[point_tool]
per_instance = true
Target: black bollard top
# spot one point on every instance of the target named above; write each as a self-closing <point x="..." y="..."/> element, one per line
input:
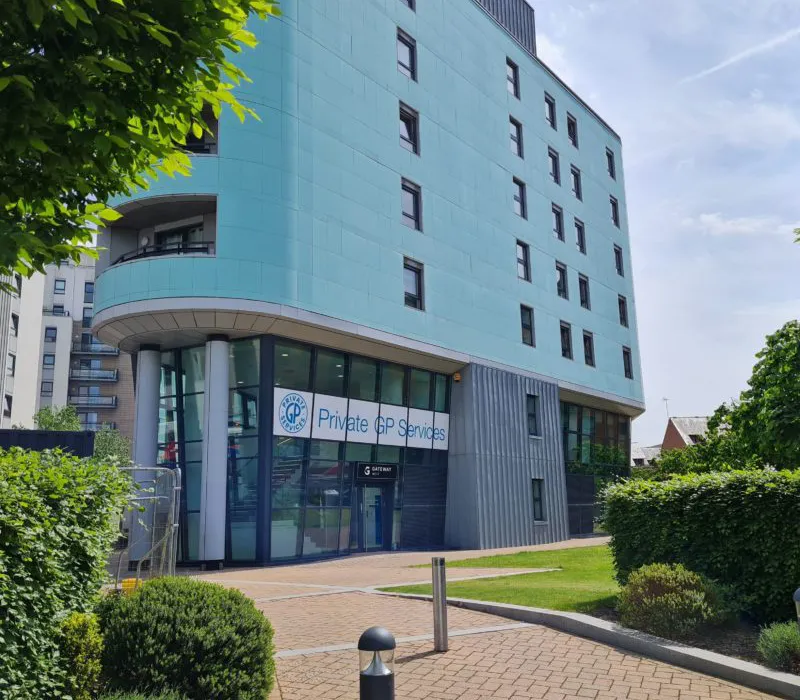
<point x="796" y="596"/>
<point x="376" y="639"/>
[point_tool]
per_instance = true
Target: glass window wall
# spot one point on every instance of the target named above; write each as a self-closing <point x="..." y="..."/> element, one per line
<point x="329" y="373"/>
<point x="393" y="379"/>
<point x="292" y="366"/>
<point x="363" y="379"/>
<point x="420" y="389"/>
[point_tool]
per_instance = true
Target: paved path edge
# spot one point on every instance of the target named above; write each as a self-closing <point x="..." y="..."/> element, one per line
<point x="711" y="663"/>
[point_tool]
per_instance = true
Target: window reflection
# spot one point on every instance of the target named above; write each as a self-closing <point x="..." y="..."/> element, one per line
<point x="392" y="381"/>
<point x="329" y="373"/>
<point x="363" y="379"/>
<point x="420" y="389"/>
<point x="292" y="366"/>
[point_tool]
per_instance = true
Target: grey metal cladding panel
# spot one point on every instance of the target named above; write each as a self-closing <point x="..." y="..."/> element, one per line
<point x="517" y="17"/>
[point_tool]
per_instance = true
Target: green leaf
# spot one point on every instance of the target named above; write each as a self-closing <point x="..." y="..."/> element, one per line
<point x="116" y="64"/>
<point x="35" y="12"/>
<point x="109" y="214"/>
<point x="4" y="83"/>
<point x="157" y="35"/>
<point x="39" y="145"/>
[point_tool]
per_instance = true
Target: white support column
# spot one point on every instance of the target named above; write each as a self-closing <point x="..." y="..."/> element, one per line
<point x="214" y="491"/>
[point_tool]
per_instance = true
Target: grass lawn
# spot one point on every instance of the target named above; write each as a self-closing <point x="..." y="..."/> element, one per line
<point x="584" y="584"/>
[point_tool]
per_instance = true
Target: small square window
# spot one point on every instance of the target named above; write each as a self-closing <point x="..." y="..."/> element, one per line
<point x="588" y="348"/>
<point x="611" y="164"/>
<point x="46" y="389"/>
<point x="50" y="334"/>
<point x="614" y="211"/>
<point x="523" y="261"/>
<point x="512" y="77"/>
<point x="562" y="284"/>
<point x="9" y="400"/>
<point x="572" y="130"/>
<point x="14" y="325"/>
<point x="406" y="55"/>
<point x="550" y="111"/>
<point x="537" y="491"/>
<point x="48" y="360"/>
<point x="409" y="128"/>
<point x="60" y="287"/>
<point x="520" y="199"/>
<point x="622" y="302"/>
<point x="583" y="289"/>
<point x="577" y="185"/>
<point x="558" y="222"/>
<point x="528" y="334"/>
<point x="618" y="261"/>
<point x="580" y="236"/>
<point x="566" y="340"/>
<point x="532" y="405"/>
<point x="412" y="204"/>
<point x="412" y="283"/>
<point x="627" y="363"/>
<point x="11" y="364"/>
<point x="555" y="166"/>
<point x="515" y="132"/>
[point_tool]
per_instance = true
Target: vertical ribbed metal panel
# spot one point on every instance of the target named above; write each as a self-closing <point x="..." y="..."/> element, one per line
<point x="517" y="17"/>
<point x="493" y="459"/>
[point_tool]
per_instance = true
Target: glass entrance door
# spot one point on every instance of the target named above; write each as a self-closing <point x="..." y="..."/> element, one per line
<point x="373" y="516"/>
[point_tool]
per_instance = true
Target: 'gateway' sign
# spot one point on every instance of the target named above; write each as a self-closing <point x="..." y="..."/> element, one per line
<point x="304" y="415"/>
<point x="367" y="472"/>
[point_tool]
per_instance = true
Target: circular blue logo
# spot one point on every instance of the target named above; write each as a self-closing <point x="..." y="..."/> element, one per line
<point x="293" y="413"/>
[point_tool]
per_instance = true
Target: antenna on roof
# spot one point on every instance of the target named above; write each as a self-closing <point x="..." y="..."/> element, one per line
<point x="666" y="406"/>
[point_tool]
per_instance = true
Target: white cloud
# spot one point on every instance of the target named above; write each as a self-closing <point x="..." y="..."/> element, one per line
<point x="718" y="225"/>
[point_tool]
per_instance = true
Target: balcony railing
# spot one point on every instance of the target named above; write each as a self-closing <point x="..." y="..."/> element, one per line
<point x="103" y="375"/>
<point x="156" y="250"/>
<point x="110" y="401"/>
<point x="55" y="312"/>
<point x="94" y="349"/>
<point x="94" y="427"/>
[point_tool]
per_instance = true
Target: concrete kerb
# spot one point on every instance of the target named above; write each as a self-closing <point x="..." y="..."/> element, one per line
<point x="708" y="662"/>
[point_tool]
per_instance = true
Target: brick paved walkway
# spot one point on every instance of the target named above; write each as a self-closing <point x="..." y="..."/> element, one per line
<point x="319" y="610"/>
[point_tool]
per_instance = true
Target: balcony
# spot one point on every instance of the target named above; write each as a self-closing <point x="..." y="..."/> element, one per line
<point x="95" y="427"/>
<point x="57" y="311"/>
<point x="94" y="349"/>
<point x="156" y="250"/>
<point x="101" y="375"/>
<point x="107" y="401"/>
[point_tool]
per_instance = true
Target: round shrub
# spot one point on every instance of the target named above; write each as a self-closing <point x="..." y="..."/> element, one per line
<point x="81" y="648"/>
<point x="779" y="646"/>
<point x="166" y="695"/>
<point x="670" y="601"/>
<point x="205" y="641"/>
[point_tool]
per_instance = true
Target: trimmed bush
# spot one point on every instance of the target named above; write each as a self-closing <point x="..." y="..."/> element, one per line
<point x="670" y="601"/>
<point x="741" y="529"/>
<point x="59" y="516"/>
<point x="81" y="649"/>
<point x="166" y="695"/>
<point x="208" y="642"/>
<point x="779" y="646"/>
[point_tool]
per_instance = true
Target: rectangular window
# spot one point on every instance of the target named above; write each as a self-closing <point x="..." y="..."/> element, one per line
<point x="409" y="128"/>
<point x="577" y="185"/>
<point x="46" y="389"/>
<point x="18" y="283"/>
<point x="88" y="293"/>
<point x="292" y="366"/>
<point x="59" y="286"/>
<point x="14" y="325"/>
<point x="572" y="130"/>
<point x="515" y="132"/>
<point x="528" y="336"/>
<point x="550" y="111"/>
<point x="410" y="4"/>
<point x="11" y="364"/>
<point x="532" y="405"/>
<point x="520" y="200"/>
<point x="412" y="205"/>
<point x="512" y="77"/>
<point x="558" y="222"/>
<point x="580" y="236"/>
<point x="523" y="261"/>
<point x="412" y="283"/>
<point x="87" y="317"/>
<point x="9" y="400"/>
<point x="622" y="302"/>
<point x="566" y="340"/>
<point x="614" y="211"/>
<point x="627" y="363"/>
<point x="363" y="379"/>
<point x="562" y="284"/>
<point x="537" y="489"/>
<point x="618" y="262"/>
<point x="48" y="360"/>
<point x="588" y="348"/>
<point x="583" y="288"/>
<point x="406" y="55"/>
<point x="611" y="164"/>
<point x="50" y="334"/>
<point x="555" y="166"/>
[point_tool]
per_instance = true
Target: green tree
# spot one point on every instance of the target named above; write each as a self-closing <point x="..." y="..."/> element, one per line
<point x="109" y="443"/>
<point x="57" y="418"/>
<point x="96" y="96"/>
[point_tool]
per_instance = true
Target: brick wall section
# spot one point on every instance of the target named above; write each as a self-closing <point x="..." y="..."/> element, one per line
<point x="672" y="438"/>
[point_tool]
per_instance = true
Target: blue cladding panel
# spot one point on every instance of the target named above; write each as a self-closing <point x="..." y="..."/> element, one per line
<point x="309" y="198"/>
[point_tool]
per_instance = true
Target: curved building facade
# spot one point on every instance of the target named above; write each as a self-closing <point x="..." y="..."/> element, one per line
<point x="398" y="310"/>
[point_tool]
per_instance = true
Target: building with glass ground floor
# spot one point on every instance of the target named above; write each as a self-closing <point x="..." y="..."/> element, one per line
<point x="382" y="318"/>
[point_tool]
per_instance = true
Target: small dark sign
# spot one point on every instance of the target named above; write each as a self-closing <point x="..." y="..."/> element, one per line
<point x="367" y="471"/>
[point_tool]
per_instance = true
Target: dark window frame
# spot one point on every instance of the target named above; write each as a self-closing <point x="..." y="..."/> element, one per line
<point x="615" y="215"/>
<point x="558" y="221"/>
<point x="566" y="335"/>
<point x="572" y="130"/>
<point x="550" y="111"/>
<point x="11" y="365"/>
<point x="515" y="135"/>
<point x="86" y="320"/>
<point x="14" y="325"/>
<point x="50" y="337"/>
<point x="537" y="495"/>
<point x="43" y="391"/>
<point x="627" y="362"/>
<point x="417" y="301"/>
<point x="520" y="198"/>
<point x="577" y="182"/>
<point x="532" y="413"/>
<point x="554" y="161"/>
<point x="588" y="348"/>
<point x="8" y="405"/>
<point x="45" y="357"/>
<point x="584" y="292"/>
<point x="527" y="323"/>
<point x="88" y="292"/>
<point x="59" y="286"/>
<point x="611" y="164"/>
<point x="622" y="305"/>
<point x="409" y="117"/>
<point x="512" y="78"/>
<point x="413" y="220"/>
<point x="524" y="262"/>
<point x="410" y="4"/>
<point x="580" y="236"/>
<point x="410" y="71"/>
<point x="619" y="261"/>
<point x="562" y="280"/>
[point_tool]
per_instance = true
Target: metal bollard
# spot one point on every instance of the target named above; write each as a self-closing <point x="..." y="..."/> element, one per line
<point x="440" y="641"/>
<point x="376" y="664"/>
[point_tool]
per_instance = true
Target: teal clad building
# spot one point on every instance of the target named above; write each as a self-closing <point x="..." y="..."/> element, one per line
<point x="395" y="313"/>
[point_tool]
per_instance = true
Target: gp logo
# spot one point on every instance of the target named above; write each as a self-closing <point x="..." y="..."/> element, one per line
<point x="293" y="413"/>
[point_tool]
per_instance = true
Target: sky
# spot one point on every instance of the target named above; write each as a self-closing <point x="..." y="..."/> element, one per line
<point x="706" y="97"/>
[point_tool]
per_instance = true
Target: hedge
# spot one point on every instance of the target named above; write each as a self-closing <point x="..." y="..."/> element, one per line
<point x="59" y="516"/>
<point x="741" y="529"/>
